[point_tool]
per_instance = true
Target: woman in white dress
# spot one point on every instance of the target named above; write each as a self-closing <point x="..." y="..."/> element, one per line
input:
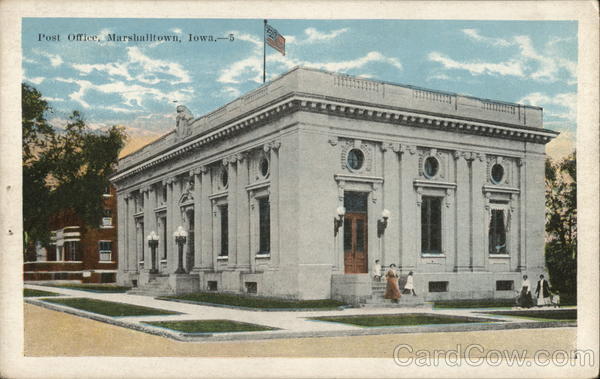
<point x="409" y="287"/>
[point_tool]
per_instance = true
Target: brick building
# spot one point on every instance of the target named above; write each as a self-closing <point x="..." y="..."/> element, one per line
<point x="76" y="251"/>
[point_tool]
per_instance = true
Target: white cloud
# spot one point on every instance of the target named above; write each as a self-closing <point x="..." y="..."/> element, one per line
<point x="316" y="36"/>
<point x="55" y="99"/>
<point x="133" y="95"/>
<point x="528" y="63"/>
<point x="55" y="59"/>
<point x="511" y="67"/>
<point x="36" y="80"/>
<point x="565" y="102"/>
<point x="112" y="69"/>
<point x="230" y="92"/>
<point x="250" y="68"/>
<point x="151" y="66"/>
<point x="176" y="30"/>
<point x="474" y="34"/>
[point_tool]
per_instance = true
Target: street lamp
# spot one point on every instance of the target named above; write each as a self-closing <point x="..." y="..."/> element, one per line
<point x="180" y="237"/>
<point x="153" y="243"/>
<point x="339" y="221"/>
<point x="382" y="223"/>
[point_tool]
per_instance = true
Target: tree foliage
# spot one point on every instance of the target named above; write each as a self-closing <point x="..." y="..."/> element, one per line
<point x="64" y="168"/>
<point x="561" y="223"/>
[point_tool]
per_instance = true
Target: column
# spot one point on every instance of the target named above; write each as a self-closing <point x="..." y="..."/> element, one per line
<point x="177" y="222"/>
<point x="274" y="202"/>
<point x="410" y="210"/>
<point x="148" y="210"/>
<point x="391" y="201"/>
<point x="462" y="236"/>
<point x="206" y="224"/>
<point x="520" y="223"/>
<point x="197" y="194"/>
<point x="253" y="229"/>
<point x="479" y="219"/>
<point x="232" y="197"/>
<point x="122" y="235"/>
<point x="243" y="216"/>
<point x="131" y="235"/>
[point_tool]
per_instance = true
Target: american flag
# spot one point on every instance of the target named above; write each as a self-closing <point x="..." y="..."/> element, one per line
<point x="274" y="39"/>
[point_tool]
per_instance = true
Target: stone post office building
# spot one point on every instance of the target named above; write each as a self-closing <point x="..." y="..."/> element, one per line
<point x="294" y="189"/>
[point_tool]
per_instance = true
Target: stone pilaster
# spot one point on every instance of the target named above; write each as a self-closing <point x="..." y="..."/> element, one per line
<point x="391" y="240"/>
<point x="522" y="225"/>
<point x="273" y="149"/>
<point x="480" y="217"/>
<point x="196" y="175"/>
<point x="232" y="209"/>
<point x="410" y="210"/>
<point x="463" y="236"/>
<point x="122" y="237"/>
<point x="176" y="189"/>
<point x="206" y="224"/>
<point x="243" y="216"/>
<point x="132" y="263"/>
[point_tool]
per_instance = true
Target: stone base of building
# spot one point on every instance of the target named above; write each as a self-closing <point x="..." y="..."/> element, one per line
<point x="350" y="288"/>
<point x="184" y="283"/>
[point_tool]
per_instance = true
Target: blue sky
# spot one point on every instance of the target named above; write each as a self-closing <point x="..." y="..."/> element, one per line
<point x="135" y="84"/>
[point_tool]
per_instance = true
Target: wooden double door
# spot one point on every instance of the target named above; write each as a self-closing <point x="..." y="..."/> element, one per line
<point x="356" y="232"/>
<point x="355" y="243"/>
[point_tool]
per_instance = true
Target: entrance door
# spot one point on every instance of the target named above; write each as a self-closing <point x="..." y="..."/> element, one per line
<point x="355" y="233"/>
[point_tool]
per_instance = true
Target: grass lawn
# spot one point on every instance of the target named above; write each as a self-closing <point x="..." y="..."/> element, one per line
<point x="209" y="326"/>
<point x="543" y="315"/>
<point x="482" y="303"/>
<point x="109" y="308"/>
<point x="28" y="292"/>
<point x="408" y="319"/>
<point x="93" y="287"/>
<point x="255" y="302"/>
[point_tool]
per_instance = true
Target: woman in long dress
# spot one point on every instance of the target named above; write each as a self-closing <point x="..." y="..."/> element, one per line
<point x="525" y="299"/>
<point x="392" y="289"/>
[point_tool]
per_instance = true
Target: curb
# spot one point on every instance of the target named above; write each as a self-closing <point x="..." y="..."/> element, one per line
<point x="265" y="335"/>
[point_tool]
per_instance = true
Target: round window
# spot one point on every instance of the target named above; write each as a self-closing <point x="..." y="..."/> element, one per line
<point x="355" y="160"/>
<point x="431" y="168"/>
<point x="224" y="178"/>
<point x="497" y="173"/>
<point x="264" y="167"/>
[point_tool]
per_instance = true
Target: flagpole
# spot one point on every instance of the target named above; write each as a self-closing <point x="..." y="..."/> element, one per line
<point x="264" y="52"/>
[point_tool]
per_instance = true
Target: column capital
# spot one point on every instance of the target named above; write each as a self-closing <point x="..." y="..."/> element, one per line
<point x="168" y="180"/>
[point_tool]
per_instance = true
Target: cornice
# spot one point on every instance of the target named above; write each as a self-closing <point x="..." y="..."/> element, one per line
<point x="327" y="106"/>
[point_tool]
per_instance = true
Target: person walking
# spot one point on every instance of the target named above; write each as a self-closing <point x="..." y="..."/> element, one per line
<point x="525" y="300"/>
<point x="409" y="287"/>
<point x="542" y="292"/>
<point x="392" y="289"/>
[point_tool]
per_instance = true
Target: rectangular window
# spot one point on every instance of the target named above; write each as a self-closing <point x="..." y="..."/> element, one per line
<point x="107" y="277"/>
<point x="224" y="231"/>
<point x="164" y="194"/>
<point x="264" y="221"/>
<point x="71" y="251"/>
<point x="212" y="285"/>
<point x="107" y="217"/>
<point x="431" y="225"/>
<point x="505" y="285"/>
<point x="438" y="286"/>
<point x="497" y="232"/>
<point x="105" y="250"/>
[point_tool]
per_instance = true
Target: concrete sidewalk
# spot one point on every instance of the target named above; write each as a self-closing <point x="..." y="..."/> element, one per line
<point x="288" y="323"/>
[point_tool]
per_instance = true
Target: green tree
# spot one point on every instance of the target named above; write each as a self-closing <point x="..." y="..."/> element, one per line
<point x="63" y="168"/>
<point x="37" y="136"/>
<point x="561" y="223"/>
